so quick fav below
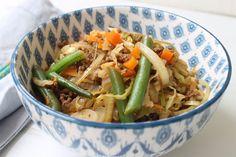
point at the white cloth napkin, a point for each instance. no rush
(18, 17)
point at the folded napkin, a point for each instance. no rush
(17, 18)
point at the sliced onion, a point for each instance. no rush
(86, 114)
(171, 99)
(156, 61)
(192, 103)
(92, 67)
(42, 83)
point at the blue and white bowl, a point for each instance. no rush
(197, 46)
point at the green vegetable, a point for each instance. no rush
(140, 83)
(66, 61)
(156, 61)
(69, 85)
(49, 96)
(119, 88)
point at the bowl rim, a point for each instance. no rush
(138, 125)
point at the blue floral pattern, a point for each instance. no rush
(38, 57)
(146, 13)
(172, 17)
(134, 10)
(213, 60)
(25, 65)
(88, 27)
(99, 20)
(30, 37)
(66, 19)
(75, 34)
(137, 27)
(150, 30)
(23, 76)
(111, 11)
(200, 73)
(199, 40)
(159, 15)
(63, 36)
(52, 39)
(185, 47)
(55, 22)
(123, 21)
(78, 15)
(41, 37)
(27, 50)
(138, 132)
(59, 128)
(108, 138)
(178, 31)
(49, 59)
(204, 118)
(206, 51)
(89, 11)
(165, 34)
(191, 27)
(163, 135)
(219, 65)
(193, 61)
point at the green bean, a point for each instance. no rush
(69, 85)
(141, 82)
(119, 88)
(66, 61)
(50, 98)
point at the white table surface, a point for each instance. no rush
(217, 139)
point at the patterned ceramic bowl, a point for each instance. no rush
(197, 46)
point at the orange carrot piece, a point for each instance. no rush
(70, 71)
(91, 38)
(114, 38)
(136, 53)
(129, 73)
(167, 55)
(131, 63)
(100, 44)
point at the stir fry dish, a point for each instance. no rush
(117, 76)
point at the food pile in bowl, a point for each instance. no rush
(120, 80)
(117, 76)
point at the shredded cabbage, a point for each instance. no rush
(91, 68)
(156, 61)
(170, 101)
(43, 83)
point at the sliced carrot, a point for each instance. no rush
(114, 38)
(167, 55)
(131, 63)
(70, 71)
(100, 44)
(129, 73)
(91, 38)
(136, 53)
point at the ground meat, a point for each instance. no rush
(125, 50)
(194, 93)
(66, 98)
(121, 58)
(136, 37)
(150, 117)
(85, 63)
(158, 49)
(63, 43)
